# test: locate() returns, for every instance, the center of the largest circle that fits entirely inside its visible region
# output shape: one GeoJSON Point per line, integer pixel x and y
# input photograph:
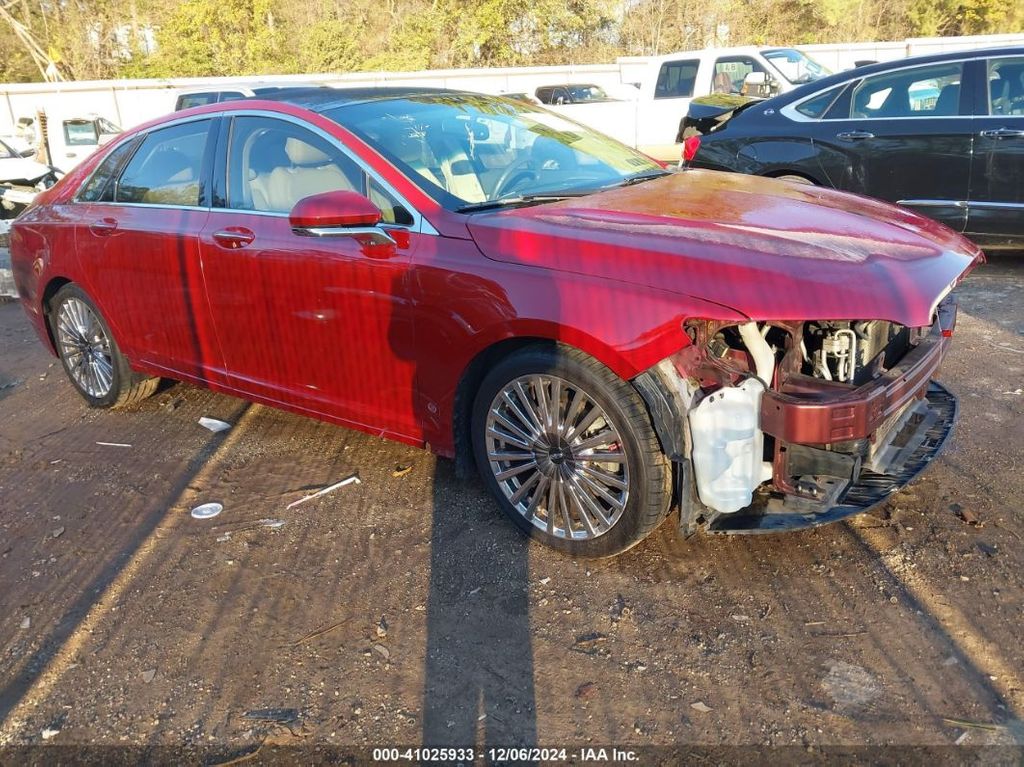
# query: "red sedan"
{"type": "Point", "coordinates": [604, 338]}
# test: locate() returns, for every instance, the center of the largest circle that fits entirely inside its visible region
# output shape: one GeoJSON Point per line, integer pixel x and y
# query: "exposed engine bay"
{"type": "Point", "coordinates": [786, 419]}
{"type": "Point", "coordinates": [852, 352]}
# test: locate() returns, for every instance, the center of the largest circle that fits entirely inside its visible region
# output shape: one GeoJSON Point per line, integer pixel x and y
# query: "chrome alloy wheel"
{"type": "Point", "coordinates": [85, 348]}
{"type": "Point", "coordinates": [557, 457]}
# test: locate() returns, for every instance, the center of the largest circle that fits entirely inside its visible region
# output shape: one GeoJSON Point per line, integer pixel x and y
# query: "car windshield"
{"type": "Point", "coordinates": [473, 150]}
{"type": "Point", "coordinates": [796, 66]}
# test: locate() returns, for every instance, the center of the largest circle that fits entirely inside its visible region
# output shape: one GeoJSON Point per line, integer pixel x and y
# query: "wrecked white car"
{"type": "Point", "coordinates": [21, 179]}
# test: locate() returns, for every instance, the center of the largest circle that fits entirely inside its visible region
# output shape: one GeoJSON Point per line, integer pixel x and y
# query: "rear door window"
{"type": "Point", "coordinates": [676, 79]}
{"type": "Point", "coordinates": [167, 168]}
{"type": "Point", "coordinates": [932, 91]}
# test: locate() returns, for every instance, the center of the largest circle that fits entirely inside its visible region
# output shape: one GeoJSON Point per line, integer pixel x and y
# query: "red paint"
{"type": "Point", "coordinates": [690, 146]}
{"type": "Point", "coordinates": [341, 208]}
{"type": "Point", "coordinates": [377, 337]}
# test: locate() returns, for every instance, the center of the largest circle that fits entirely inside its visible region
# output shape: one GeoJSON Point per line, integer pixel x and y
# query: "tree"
{"type": "Point", "coordinates": [207, 38]}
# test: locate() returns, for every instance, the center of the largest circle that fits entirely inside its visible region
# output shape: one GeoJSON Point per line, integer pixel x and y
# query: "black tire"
{"type": "Point", "coordinates": [125, 387]}
{"type": "Point", "coordinates": [649, 475]}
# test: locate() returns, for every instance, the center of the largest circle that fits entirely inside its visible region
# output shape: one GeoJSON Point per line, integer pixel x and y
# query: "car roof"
{"type": "Point", "coordinates": [886, 66]}
{"type": "Point", "coordinates": [736, 50]}
{"type": "Point", "coordinates": [321, 99]}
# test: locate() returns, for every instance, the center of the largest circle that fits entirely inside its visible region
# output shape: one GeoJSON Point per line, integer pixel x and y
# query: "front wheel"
{"type": "Point", "coordinates": [90, 355]}
{"type": "Point", "coordinates": [568, 450]}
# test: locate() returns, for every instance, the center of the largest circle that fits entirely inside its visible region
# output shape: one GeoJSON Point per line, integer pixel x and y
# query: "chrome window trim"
{"type": "Point", "coordinates": [933, 203]}
{"type": "Point", "coordinates": [420, 224]}
{"type": "Point", "coordinates": [996, 205]}
{"type": "Point", "coordinates": [790, 112]}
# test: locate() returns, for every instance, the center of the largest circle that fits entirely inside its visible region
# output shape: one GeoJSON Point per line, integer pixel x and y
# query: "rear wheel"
{"type": "Point", "coordinates": [568, 450]}
{"type": "Point", "coordinates": [90, 355]}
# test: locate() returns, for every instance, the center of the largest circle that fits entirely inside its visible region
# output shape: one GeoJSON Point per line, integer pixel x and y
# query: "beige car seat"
{"type": "Point", "coordinates": [722, 83]}
{"type": "Point", "coordinates": [311, 171]}
{"type": "Point", "coordinates": [457, 171]}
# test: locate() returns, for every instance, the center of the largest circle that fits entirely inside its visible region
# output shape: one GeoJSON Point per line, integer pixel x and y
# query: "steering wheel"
{"type": "Point", "coordinates": [514, 172]}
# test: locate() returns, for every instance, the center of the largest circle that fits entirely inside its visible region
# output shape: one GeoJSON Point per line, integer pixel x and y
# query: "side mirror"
{"type": "Point", "coordinates": [339, 214]}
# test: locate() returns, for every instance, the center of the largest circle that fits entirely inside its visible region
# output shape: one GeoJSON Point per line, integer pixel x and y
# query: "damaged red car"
{"type": "Point", "coordinates": [605, 339]}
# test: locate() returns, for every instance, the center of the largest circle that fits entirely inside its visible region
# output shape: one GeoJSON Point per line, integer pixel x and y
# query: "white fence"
{"type": "Point", "coordinates": [130, 102]}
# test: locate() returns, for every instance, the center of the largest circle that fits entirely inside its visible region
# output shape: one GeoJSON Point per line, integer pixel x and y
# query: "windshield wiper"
{"type": "Point", "coordinates": [524, 199]}
{"type": "Point", "coordinates": [639, 178]}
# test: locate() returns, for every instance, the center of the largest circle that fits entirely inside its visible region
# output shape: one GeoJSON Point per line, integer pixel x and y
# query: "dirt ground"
{"type": "Point", "coordinates": [405, 610]}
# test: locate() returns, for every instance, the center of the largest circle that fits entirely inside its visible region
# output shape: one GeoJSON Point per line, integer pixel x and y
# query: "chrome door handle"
{"type": "Point", "coordinates": [854, 135]}
{"type": "Point", "coordinates": [234, 237]}
{"type": "Point", "coordinates": [1002, 133]}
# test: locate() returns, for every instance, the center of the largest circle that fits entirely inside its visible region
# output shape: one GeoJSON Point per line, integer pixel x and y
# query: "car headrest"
{"type": "Point", "coordinates": [301, 153]}
{"type": "Point", "coordinates": [948, 102]}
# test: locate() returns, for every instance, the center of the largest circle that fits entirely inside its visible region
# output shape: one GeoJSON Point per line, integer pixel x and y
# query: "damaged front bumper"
{"type": "Point", "coordinates": [915, 443]}
{"type": "Point", "coordinates": [830, 451]}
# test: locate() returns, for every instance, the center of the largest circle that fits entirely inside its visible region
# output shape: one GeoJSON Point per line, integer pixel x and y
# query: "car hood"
{"type": "Point", "coordinates": [21, 169]}
{"type": "Point", "coordinates": [772, 250]}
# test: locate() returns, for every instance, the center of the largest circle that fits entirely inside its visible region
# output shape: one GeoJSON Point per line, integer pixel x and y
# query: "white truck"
{"type": "Point", "coordinates": [650, 119]}
{"type": "Point", "coordinates": [46, 147]}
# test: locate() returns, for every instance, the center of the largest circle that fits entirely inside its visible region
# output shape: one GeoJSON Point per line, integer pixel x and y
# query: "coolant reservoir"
{"type": "Point", "coordinates": [728, 446]}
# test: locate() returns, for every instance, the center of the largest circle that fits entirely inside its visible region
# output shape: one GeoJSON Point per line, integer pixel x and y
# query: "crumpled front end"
{"type": "Point", "coordinates": [795, 424]}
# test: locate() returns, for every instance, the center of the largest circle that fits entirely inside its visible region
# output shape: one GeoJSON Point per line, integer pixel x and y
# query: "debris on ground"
{"type": "Point", "coordinates": [214, 424]}
{"type": "Point", "coordinates": [618, 609]}
{"type": "Point", "coordinates": [588, 644]}
{"type": "Point", "coordinates": [277, 715]}
{"type": "Point", "coordinates": [57, 533]}
{"type": "Point", "coordinates": [966, 515]}
{"type": "Point", "coordinates": [224, 538]}
{"type": "Point", "coordinates": [114, 444]}
{"type": "Point", "coordinates": [585, 690]}
{"type": "Point", "coordinates": [384, 652]}
{"type": "Point", "coordinates": [48, 733]}
{"type": "Point", "coordinates": [973, 725]}
{"type": "Point", "coordinates": [354, 479]}
{"type": "Point", "coordinates": [963, 736]}
{"type": "Point", "coordinates": [207, 510]}
{"type": "Point", "coordinates": [701, 706]}
{"type": "Point", "coordinates": [316, 633]}
{"type": "Point", "coordinates": [382, 628]}
{"type": "Point", "coordinates": [173, 404]}
{"type": "Point", "coordinates": [26, 622]}
{"type": "Point", "coordinates": [849, 685]}
{"type": "Point", "coordinates": [149, 675]}
{"type": "Point", "coordinates": [273, 524]}
{"type": "Point", "coordinates": [401, 471]}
